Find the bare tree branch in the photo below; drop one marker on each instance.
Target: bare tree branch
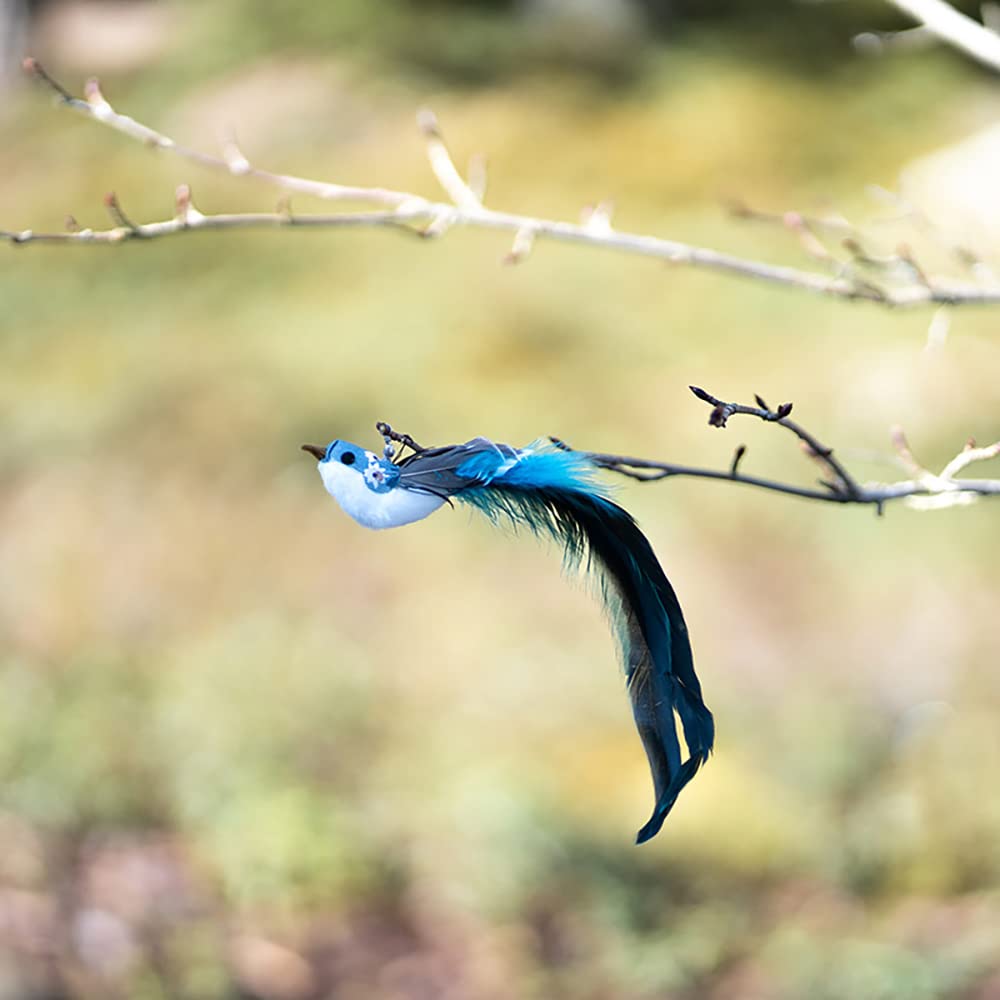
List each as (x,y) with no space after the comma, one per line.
(955,28)
(926,490)
(406,211)
(189,218)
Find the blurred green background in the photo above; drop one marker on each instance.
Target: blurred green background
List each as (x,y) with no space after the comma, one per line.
(249,749)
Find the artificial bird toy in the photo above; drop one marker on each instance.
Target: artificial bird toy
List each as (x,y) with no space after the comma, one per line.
(555,492)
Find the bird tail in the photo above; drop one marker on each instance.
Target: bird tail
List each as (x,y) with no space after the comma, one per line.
(559,498)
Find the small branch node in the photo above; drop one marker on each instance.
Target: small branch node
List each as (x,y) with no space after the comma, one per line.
(101,109)
(721,412)
(524,242)
(118,216)
(596,219)
(734,467)
(238,164)
(439,224)
(185,211)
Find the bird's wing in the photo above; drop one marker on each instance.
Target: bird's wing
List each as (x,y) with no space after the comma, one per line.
(437,470)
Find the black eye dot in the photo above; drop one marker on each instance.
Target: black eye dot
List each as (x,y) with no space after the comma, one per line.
(348,458)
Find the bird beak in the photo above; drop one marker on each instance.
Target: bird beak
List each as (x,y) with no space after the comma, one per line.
(315,449)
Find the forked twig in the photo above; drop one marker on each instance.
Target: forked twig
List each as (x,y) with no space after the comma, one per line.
(404,440)
(925,490)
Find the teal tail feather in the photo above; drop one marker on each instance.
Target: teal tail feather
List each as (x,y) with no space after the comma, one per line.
(559,499)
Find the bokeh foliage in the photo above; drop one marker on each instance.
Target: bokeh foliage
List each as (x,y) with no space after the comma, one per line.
(247,746)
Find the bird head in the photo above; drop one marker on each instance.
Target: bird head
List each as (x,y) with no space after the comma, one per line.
(347,468)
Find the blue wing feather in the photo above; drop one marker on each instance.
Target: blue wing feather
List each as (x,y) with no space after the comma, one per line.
(556,493)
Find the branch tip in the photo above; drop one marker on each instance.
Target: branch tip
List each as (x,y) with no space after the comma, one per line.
(92,92)
(117,214)
(427,123)
(236,162)
(524,242)
(34,68)
(597,218)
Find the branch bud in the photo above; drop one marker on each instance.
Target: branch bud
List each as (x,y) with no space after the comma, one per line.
(427,122)
(184,209)
(597,218)
(92,93)
(238,164)
(718,416)
(524,241)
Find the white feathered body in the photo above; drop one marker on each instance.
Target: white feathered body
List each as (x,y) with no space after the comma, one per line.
(388,509)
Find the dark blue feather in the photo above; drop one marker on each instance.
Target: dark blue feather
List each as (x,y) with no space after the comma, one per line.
(555,492)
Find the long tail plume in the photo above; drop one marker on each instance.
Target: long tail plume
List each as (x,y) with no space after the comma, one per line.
(554,493)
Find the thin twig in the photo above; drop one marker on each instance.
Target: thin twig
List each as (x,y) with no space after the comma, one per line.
(402,439)
(969,454)
(925,490)
(403,209)
(189,218)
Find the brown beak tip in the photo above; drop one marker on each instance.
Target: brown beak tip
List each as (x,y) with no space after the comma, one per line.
(315,450)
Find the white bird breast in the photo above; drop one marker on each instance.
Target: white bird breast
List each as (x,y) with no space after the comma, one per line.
(346,484)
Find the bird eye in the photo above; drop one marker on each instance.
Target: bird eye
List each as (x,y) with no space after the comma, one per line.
(348,458)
